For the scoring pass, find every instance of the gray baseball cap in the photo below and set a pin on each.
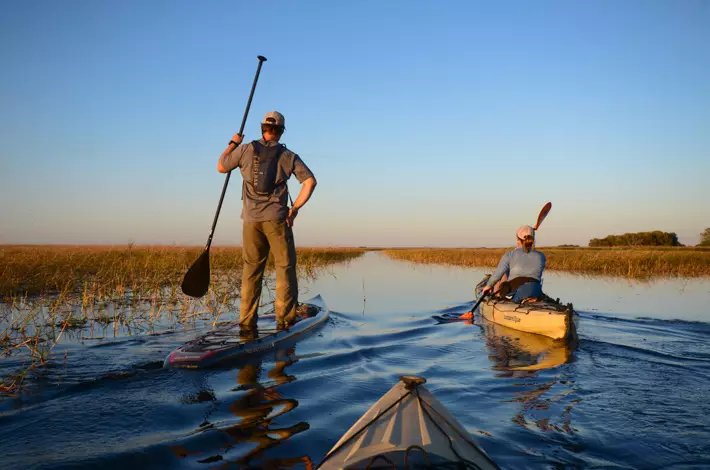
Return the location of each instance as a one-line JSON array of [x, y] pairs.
[[274, 118]]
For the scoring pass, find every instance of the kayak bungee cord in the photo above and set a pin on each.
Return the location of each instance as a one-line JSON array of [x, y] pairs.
[[413, 391], [335, 451], [424, 453], [543, 305], [451, 442], [380, 456]]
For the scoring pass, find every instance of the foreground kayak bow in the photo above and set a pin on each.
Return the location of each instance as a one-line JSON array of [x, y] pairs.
[[407, 428]]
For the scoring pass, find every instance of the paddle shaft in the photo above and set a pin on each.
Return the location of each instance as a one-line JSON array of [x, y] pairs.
[[262, 59], [483, 296]]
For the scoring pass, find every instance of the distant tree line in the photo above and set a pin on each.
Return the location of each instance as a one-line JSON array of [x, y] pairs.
[[705, 238], [655, 238]]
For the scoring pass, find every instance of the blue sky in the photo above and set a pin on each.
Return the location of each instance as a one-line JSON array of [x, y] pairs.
[[426, 123]]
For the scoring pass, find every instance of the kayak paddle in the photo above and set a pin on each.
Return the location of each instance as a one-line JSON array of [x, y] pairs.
[[466, 315], [197, 278]]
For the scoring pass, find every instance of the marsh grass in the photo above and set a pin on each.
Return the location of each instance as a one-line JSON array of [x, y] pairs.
[[634, 263], [50, 291], [99, 270]]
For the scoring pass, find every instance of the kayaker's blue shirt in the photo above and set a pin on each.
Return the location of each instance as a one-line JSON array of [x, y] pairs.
[[517, 263]]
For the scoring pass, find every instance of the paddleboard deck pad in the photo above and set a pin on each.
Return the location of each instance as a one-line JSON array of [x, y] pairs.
[[227, 342]]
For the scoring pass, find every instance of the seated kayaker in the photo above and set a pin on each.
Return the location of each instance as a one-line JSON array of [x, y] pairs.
[[522, 266]]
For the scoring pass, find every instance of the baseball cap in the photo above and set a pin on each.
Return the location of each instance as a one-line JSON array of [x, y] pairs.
[[526, 231], [274, 118]]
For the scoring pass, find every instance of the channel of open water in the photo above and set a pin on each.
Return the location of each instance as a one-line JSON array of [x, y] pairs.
[[634, 392]]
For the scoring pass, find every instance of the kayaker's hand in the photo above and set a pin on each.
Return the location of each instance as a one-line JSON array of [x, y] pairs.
[[486, 290], [237, 138], [292, 213]]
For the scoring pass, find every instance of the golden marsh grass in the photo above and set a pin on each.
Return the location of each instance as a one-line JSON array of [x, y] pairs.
[[50, 291], [38, 270], [635, 263]]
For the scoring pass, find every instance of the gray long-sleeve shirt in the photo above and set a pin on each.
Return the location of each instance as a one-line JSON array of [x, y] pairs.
[[258, 208], [517, 263]]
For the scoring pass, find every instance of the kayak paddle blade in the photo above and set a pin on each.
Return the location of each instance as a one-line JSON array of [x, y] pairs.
[[197, 278], [543, 213]]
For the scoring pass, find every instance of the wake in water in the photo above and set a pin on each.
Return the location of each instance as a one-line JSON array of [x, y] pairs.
[[625, 392]]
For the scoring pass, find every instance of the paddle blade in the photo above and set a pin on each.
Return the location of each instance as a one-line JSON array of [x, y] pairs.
[[543, 213], [466, 316], [197, 278]]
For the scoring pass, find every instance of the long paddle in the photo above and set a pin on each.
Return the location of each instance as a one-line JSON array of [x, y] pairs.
[[197, 278], [540, 217]]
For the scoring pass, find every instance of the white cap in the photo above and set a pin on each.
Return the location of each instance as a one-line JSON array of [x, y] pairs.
[[526, 231]]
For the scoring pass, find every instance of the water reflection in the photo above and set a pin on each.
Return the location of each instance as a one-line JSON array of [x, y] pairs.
[[401, 286], [518, 354], [633, 396], [540, 405], [256, 431]]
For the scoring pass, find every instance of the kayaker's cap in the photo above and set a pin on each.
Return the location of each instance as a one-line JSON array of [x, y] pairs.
[[274, 118], [526, 231]]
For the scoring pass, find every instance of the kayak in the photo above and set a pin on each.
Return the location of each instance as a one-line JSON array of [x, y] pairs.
[[546, 317], [516, 350], [227, 343], [407, 428]]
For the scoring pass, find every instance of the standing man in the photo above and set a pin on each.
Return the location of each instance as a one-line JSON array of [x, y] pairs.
[[266, 165]]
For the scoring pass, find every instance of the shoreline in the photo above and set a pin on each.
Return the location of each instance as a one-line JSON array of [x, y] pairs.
[[629, 263]]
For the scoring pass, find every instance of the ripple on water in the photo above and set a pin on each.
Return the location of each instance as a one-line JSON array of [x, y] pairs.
[[631, 393]]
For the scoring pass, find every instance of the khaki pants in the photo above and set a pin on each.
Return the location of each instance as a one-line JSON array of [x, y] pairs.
[[258, 239]]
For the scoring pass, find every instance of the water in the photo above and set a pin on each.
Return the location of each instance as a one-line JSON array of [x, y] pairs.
[[632, 394]]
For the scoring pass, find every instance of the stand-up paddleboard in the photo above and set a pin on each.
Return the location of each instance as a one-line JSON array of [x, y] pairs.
[[226, 342]]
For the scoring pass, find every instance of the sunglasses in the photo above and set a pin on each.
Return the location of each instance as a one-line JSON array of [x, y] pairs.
[[272, 129]]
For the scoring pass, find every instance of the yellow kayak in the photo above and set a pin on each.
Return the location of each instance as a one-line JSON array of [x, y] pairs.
[[545, 317]]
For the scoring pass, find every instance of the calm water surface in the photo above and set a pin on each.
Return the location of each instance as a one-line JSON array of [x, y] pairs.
[[633, 393]]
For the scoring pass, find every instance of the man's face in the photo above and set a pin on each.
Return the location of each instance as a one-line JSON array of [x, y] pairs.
[[272, 132]]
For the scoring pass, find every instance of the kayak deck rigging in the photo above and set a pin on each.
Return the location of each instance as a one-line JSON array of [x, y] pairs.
[[407, 428]]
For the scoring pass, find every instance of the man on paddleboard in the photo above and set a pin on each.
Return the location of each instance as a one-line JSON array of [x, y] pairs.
[[266, 165]]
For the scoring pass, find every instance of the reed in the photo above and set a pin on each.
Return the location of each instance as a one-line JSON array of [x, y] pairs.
[[47, 292], [635, 263], [42, 270]]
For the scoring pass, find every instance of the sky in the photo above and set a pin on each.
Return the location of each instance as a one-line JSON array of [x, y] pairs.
[[425, 123]]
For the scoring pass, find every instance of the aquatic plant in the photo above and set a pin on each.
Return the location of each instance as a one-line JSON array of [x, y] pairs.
[[627, 262], [50, 291]]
